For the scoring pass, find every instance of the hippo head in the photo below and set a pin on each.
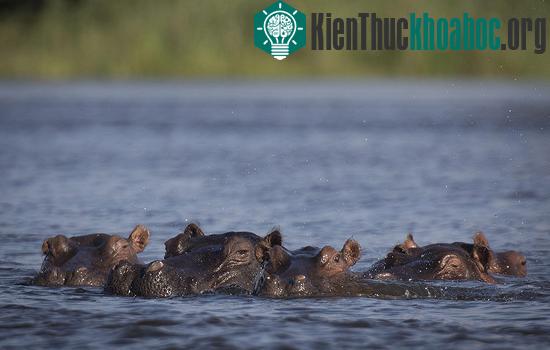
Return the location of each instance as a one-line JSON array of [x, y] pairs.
[[87, 260], [439, 261], [305, 272], [456, 264], [509, 262], [196, 263]]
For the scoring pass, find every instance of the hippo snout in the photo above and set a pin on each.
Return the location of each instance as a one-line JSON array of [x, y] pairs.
[[58, 249], [140, 280], [121, 278], [50, 275], [299, 285], [56, 246]]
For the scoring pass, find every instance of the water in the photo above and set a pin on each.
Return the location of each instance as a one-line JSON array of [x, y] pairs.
[[323, 160]]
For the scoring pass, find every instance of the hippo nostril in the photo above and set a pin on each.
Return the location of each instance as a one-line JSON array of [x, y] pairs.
[[155, 266], [298, 279], [123, 268]]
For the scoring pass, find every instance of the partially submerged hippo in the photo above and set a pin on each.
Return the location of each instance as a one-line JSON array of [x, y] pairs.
[[87, 260], [509, 262], [306, 272], [196, 263], [440, 261]]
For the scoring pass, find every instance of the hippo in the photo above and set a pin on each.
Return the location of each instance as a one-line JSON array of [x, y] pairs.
[[196, 263], [87, 260], [308, 271], [442, 261], [510, 262]]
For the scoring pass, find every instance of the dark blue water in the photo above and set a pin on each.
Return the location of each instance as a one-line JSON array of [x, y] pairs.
[[324, 160]]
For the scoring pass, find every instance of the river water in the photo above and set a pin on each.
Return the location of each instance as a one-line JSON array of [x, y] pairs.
[[323, 160]]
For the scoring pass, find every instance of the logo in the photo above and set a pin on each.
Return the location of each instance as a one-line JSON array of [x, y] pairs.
[[279, 30]]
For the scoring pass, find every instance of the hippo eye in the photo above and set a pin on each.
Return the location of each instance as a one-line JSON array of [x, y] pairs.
[[523, 262], [336, 258], [242, 252]]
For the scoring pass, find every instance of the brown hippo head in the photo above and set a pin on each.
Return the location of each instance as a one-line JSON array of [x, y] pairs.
[[307, 271], [441, 261], [87, 260], [196, 263], [509, 262], [504, 263]]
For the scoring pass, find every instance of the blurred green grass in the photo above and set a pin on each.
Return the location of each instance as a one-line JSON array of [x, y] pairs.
[[66, 39]]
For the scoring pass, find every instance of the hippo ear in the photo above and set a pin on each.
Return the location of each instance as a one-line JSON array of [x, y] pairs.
[[59, 247], [139, 238], [274, 238], [481, 240], [483, 256], [409, 242], [351, 252], [278, 259], [176, 245], [193, 230]]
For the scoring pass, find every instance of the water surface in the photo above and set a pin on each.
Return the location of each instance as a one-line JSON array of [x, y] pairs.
[[324, 161]]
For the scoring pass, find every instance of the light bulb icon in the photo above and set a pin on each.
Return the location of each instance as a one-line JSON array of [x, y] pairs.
[[279, 28]]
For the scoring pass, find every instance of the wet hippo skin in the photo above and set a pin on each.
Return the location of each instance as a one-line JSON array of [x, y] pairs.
[[510, 263], [308, 271], [87, 260], [447, 261], [196, 263]]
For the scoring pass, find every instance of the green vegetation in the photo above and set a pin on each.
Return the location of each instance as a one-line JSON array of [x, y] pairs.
[[213, 39]]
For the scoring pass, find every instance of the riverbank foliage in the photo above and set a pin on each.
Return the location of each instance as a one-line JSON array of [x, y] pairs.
[[70, 39]]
